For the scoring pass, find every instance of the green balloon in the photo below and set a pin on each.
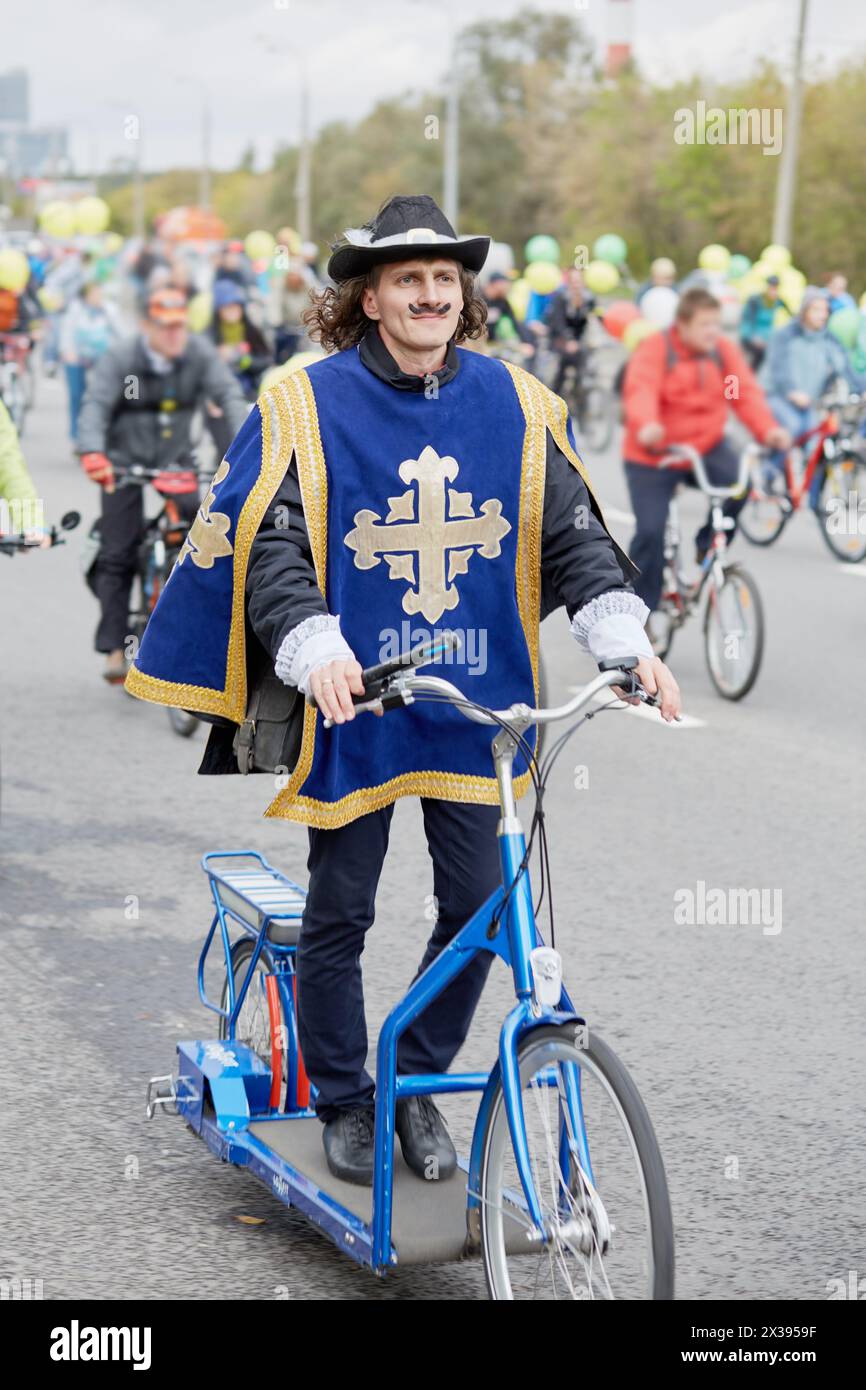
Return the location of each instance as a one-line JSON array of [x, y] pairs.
[[845, 325], [542, 248], [610, 248], [738, 267]]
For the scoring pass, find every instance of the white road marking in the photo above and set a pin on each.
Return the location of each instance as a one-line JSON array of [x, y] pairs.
[[614, 514], [858, 571], [604, 697]]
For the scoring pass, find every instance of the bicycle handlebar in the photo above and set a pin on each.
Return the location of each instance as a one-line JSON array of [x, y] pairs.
[[68, 522], [130, 474], [678, 453], [394, 690]]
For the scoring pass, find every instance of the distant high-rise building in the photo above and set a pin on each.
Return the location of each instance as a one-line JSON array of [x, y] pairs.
[[28, 151]]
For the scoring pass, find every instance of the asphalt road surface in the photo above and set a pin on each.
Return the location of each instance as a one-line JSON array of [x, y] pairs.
[[746, 1041]]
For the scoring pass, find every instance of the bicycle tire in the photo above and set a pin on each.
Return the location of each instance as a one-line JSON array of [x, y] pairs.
[[839, 542], [240, 955], [754, 532], [537, 1050], [737, 572], [595, 425]]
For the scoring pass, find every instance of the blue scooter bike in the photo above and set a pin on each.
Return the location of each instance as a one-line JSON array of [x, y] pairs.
[[563, 1193]]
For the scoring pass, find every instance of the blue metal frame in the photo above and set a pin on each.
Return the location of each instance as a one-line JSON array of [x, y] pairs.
[[504, 926]]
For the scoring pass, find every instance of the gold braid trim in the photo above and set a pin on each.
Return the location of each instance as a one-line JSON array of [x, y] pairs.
[[231, 702], [443, 786], [532, 477], [296, 408], [555, 413]]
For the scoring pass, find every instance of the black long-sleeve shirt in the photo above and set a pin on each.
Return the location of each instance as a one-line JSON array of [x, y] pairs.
[[578, 561]]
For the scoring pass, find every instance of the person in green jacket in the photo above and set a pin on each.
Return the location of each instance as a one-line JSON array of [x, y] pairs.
[[20, 507]]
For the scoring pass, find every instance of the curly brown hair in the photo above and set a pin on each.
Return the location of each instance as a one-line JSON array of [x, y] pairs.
[[337, 321]]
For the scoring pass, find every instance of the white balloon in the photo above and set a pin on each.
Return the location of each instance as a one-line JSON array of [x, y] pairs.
[[500, 259], [659, 305]]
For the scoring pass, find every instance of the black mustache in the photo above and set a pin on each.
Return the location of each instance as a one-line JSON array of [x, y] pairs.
[[428, 309]]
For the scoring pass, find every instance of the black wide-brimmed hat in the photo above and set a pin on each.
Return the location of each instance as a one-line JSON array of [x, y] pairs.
[[404, 228]]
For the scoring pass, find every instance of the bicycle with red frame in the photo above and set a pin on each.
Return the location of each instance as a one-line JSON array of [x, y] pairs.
[[838, 451], [161, 542]]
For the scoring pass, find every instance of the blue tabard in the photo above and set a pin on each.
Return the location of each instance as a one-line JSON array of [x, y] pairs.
[[424, 515]]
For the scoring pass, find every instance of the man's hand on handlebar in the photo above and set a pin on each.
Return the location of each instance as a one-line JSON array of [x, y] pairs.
[[332, 686], [656, 680], [650, 435], [777, 438], [99, 470]]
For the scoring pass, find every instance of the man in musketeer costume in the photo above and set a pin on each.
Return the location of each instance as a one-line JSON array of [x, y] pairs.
[[400, 478]]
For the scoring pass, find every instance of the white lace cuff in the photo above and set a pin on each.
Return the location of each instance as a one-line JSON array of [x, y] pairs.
[[313, 642], [612, 626]]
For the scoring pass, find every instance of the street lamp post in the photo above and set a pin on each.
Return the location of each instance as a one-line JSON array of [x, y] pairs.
[[451, 170], [785, 188]]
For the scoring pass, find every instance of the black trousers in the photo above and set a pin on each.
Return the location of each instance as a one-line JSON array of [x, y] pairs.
[[345, 866], [651, 490], [122, 529]]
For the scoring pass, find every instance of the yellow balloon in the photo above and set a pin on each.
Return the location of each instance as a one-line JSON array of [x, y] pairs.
[[781, 316], [543, 277], [92, 216], [792, 295], [295, 363], [287, 236], [777, 256], [636, 331], [58, 220], [50, 300], [791, 276], [200, 312], [14, 270], [112, 244], [715, 257], [518, 297], [259, 246], [863, 301], [601, 277]]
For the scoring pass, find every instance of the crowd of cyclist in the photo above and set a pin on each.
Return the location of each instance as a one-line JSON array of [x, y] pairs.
[[676, 385]]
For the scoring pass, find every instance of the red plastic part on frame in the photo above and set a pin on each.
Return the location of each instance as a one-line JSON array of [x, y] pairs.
[[303, 1096], [276, 1040]]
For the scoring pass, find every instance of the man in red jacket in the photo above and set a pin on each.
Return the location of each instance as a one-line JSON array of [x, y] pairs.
[[677, 390]]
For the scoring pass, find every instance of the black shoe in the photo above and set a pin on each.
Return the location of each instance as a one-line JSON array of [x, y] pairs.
[[425, 1141], [348, 1141]]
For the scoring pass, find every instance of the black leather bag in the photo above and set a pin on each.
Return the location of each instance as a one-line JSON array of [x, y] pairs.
[[269, 739]]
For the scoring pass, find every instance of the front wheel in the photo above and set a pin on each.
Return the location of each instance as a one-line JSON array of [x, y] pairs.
[[762, 519], [734, 633], [595, 418], [608, 1214], [842, 508]]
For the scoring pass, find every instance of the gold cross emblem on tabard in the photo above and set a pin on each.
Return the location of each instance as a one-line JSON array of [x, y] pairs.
[[444, 524]]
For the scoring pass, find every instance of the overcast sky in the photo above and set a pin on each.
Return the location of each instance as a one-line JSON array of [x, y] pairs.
[[93, 62]]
